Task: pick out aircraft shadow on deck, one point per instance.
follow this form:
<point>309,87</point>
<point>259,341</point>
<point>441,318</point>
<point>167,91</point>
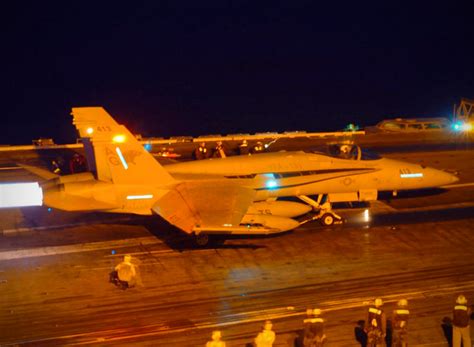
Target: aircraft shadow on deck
<point>415,193</point>
<point>177,240</point>
<point>415,217</point>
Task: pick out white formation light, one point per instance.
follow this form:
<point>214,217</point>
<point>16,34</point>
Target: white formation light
<point>90,130</point>
<point>20,194</point>
<point>139,197</point>
<point>411,175</point>
<point>122,159</point>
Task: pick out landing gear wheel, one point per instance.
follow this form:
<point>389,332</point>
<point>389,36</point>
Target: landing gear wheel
<point>202,240</point>
<point>327,219</point>
<point>206,240</point>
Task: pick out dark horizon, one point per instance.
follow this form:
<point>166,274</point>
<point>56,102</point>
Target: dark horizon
<point>176,68</point>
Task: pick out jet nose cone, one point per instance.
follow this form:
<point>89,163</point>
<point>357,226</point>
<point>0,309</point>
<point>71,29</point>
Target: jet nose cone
<point>438,178</point>
<point>453,178</point>
<point>446,178</point>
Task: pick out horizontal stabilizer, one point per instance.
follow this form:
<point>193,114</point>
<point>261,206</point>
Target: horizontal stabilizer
<point>205,204</point>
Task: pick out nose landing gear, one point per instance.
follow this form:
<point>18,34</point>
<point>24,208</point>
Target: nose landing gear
<point>326,215</point>
<point>327,219</point>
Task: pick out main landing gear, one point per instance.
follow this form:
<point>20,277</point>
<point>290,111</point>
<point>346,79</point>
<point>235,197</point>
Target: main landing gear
<point>325,214</point>
<point>203,240</point>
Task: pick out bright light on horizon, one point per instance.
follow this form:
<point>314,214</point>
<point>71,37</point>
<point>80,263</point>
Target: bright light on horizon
<point>20,195</point>
<point>462,126</point>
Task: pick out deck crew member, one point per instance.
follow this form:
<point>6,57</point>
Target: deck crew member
<point>201,152</point>
<point>314,329</point>
<point>400,324</point>
<point>360,334</point>
<point>244,148</point>
<point>55,167</point>
<point>258,148</point>
<point>376,324</point>
<point>216,340</point>
<point>461,316</point>
<point>77,163</point>
<point>125,273</point>
<point>219,151</point>
<point>266,337</point>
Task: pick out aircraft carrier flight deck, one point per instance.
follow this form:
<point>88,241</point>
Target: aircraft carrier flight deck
<point>54,271</point>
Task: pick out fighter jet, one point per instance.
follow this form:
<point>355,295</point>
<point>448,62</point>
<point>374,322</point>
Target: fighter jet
<point>233,195</point>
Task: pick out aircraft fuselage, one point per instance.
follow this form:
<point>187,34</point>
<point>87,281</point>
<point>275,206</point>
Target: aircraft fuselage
<point>299,173</point>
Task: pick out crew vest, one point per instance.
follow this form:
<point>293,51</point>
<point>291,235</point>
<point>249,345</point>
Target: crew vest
<point>126,271</point>
<point>460,316</point>
<point>400,318</point>
<point>375,318</point>
<point>316,325</point>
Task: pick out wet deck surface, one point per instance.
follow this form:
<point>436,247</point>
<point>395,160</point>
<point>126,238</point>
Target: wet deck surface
<point>54,286</point>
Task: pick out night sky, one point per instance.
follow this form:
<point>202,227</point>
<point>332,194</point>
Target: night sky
<point>168,68</point>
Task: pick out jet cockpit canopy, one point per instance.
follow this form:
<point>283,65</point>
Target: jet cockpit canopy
<point>345,151</point>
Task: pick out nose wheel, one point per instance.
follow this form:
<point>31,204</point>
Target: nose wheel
<point>327,219</point>
<point>326,215</point>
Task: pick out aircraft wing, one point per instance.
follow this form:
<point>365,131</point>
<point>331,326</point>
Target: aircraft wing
<point>205,204</point>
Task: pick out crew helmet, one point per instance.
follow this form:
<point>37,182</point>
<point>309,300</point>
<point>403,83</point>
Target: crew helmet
<point>378,302</point>
<point>309,311</point>
<point>317,311</point>
<point>127,258</point>
<point>268,325</point>
<point>216,335</point>
<point>461,299</point>
<point>345,149</point>
<point>402,302</point>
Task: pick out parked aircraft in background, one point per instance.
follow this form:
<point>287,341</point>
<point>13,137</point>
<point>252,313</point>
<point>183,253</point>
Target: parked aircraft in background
<point>233,195</point>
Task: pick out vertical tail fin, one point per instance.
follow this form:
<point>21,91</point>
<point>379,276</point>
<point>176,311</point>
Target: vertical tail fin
<point>119,157</point>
